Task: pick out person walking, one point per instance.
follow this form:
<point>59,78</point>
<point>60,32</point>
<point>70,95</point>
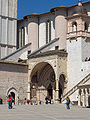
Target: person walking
<point>46,100</point>
<point>9,102</point>
<point>28,101</point>
<point>68,103</point>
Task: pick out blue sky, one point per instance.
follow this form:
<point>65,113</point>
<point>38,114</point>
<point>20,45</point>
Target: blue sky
<point>26,7</point>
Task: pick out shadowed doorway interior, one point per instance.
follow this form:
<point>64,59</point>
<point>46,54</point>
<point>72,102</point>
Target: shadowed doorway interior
<point>13,95</point>
<point>50,92</point>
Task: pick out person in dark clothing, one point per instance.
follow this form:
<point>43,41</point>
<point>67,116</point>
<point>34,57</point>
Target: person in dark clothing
<point>46,99</point>
<point>1,102</point>
<point>50,100</point>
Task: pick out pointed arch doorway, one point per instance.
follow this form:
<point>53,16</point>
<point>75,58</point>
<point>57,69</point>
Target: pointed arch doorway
<point>43,80</point>
<point>13,93</point>
<point>61,86</point>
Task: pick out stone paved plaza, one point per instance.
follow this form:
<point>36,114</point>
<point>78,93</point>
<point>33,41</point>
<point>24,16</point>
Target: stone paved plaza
<point>44,112</point>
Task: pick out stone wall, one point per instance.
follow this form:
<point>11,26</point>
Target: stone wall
<point>85,48</point>
<point>13,77</point>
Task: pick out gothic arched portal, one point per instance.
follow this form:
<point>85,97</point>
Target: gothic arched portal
<point>42,82</point>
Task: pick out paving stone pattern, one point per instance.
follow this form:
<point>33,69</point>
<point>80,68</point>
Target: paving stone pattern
<point>44,112</point>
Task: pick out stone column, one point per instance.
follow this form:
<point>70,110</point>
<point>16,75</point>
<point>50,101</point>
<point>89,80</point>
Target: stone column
<point>79,97</point>
<point>86,90</point>
<point>79,25</point>
<point>57,91</point>
<point>29,81</point>
<point>83,97</point>
<point>57,80</point>
<point>54,95</point>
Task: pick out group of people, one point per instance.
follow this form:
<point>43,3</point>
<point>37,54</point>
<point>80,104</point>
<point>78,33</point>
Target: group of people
<point>87,59</point>
<point>48,100</point>
<point>26,101</point>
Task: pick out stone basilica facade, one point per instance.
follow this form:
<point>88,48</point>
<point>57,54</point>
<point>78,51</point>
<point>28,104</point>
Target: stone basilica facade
<point>52,57</point>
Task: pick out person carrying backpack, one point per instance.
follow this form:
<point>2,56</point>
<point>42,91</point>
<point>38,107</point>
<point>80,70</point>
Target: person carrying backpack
<point>68,103</point>
<point>9,102</point>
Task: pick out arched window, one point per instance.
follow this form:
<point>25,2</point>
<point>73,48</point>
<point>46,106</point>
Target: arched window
<point>86,26</point>
<point>48,31</point>
<point>74,27</point>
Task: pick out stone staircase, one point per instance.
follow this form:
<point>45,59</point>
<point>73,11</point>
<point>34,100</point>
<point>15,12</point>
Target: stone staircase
<point>70,92</point>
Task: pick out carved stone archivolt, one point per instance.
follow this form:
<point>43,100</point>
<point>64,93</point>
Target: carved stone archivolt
<point>45,77</point>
